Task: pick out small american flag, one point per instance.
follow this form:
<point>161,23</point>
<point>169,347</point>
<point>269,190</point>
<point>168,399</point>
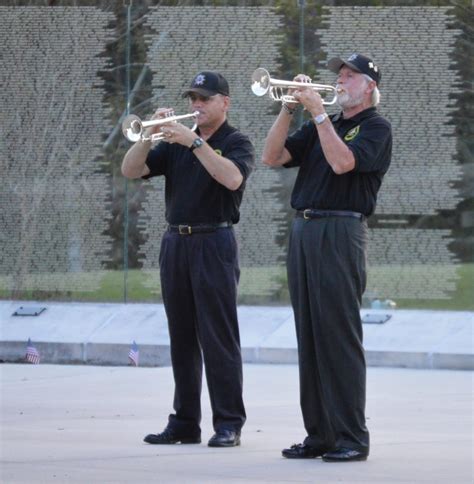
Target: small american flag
<point>32,355</point>
<point>133,354</point>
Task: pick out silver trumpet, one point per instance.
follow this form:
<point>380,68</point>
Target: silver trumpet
<point>133,128</point>
<point>262,84</point>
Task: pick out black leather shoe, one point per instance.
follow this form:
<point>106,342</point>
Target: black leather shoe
<point>224,438</point>
<point>343,454</point>
<point>169,436</point>
<point>301,451</point>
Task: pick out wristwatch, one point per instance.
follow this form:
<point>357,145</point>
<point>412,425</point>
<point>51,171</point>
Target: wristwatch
<point>320,118</point>
<point>198,142</point>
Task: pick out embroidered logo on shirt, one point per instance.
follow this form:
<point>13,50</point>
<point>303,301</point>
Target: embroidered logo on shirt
<point>351,134</point>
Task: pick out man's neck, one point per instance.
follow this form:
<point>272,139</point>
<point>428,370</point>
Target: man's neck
<point>353,111</point>
<point>207,131</point>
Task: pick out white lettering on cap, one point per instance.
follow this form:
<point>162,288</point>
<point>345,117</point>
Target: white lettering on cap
<point>373,67</point>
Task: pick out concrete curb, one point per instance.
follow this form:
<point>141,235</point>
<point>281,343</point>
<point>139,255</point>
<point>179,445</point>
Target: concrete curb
<point>159,355</point>
<point>102,334</point>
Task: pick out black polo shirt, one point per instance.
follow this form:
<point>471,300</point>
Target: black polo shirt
<point>369,136</point>
<point>192,196</point>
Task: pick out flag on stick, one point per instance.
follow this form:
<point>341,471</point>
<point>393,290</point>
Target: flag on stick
<point>133,354</point>
<point>32,354</point>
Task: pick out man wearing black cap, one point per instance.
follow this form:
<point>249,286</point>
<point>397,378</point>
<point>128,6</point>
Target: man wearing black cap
<point>342,159</point>
<point>205,174</point>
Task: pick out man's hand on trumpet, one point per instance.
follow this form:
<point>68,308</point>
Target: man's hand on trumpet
<point>291,91</point>
<point>178,133</point>
<point>308,97</point>
<point>160,113</point>
<point>173,131</point>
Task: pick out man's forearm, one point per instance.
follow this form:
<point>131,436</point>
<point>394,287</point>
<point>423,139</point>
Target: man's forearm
<point>133,165</point>
<point>221,169</point>
<point>337,154</point>
<point>274,152</point>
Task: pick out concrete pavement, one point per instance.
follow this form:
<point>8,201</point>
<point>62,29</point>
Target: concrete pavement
<point>85,424</point>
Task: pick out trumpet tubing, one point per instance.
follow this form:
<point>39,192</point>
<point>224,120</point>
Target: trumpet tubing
<point>263,83</point>
<point>133,128</point>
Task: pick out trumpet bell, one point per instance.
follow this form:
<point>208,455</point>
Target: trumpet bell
<point>260,81</point>
<point>132,128</point>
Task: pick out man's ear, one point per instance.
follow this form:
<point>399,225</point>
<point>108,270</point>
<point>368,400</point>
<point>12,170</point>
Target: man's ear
<point>371,86</point>
<point>226,103</point>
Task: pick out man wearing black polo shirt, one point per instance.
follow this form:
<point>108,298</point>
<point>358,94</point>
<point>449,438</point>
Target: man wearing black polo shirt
<point>205,174</point>
<point>342,160</point>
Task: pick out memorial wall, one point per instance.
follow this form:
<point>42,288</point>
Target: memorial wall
<point>60,228</point>
<point>226,39</point>
<point>54,194</point>
<point>415,47</point>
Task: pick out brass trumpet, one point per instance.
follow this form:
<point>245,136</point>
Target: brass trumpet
<point>263,83</point>
<point>133,128</point>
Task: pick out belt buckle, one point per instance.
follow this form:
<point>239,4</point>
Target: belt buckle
<point>307,211</point>
<point>184,229</point>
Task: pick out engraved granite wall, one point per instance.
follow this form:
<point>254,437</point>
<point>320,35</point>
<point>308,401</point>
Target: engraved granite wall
<point>413,47</point>
<point>53,196</point>
<point>234,41</point>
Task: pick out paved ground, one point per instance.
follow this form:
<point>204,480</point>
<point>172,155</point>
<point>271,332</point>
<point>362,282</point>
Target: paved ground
<point>85,424</point>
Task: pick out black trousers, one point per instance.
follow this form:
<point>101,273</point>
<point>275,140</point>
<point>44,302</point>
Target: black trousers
<point>326,277</point>
<point>199,277</point>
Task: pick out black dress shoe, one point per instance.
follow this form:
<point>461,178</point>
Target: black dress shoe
<point>343,454</point>
<point>169,436</point>
<point>301,451</point>
<point>225,438</point>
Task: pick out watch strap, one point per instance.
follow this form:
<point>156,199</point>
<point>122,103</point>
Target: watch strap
<point>196,144</point>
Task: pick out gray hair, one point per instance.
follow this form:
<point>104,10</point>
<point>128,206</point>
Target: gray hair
<point>375,99</point>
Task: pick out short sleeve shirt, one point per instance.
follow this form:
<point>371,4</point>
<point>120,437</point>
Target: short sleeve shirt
<point>369,136</point>
<point>192,195</point>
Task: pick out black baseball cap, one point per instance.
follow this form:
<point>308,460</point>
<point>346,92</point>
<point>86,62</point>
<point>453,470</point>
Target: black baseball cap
<point>208,83</point>
<point>358,63</point>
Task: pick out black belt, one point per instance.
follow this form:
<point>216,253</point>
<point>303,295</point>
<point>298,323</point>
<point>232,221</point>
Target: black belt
<point>310,213</point>
<point>197,228</point>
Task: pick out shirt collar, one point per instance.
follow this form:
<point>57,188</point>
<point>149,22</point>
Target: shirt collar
<point>366,113</point>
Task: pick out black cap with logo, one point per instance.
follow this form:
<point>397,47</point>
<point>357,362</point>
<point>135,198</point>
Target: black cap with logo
<point>208,83</point>
<point>358,63</point>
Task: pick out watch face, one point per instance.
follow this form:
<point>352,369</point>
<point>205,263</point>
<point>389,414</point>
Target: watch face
<point>196,144</point>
